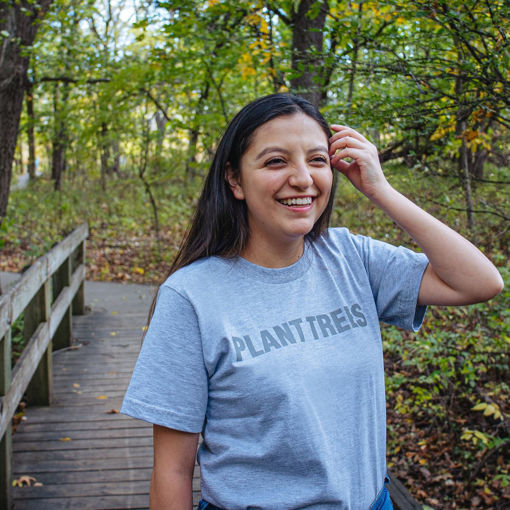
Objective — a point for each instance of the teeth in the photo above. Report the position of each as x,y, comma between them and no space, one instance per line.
297,201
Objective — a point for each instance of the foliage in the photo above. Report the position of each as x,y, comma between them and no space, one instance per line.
453,378
137,98
17,338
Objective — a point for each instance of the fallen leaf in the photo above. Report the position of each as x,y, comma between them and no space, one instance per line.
102,397
115,313
23,480
112,411
113,333
76,385
65,439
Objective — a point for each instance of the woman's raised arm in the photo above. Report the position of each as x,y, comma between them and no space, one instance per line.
172,475
458,272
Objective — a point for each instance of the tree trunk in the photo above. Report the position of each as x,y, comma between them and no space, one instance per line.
116,157
105,154
354,61
20,20
479,159
30,132
307,49
462,115
194,133
58,160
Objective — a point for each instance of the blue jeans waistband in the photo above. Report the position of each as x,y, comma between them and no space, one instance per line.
382,502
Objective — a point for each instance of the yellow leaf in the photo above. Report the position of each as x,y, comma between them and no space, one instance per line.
115,313
138,270
490,409
23,480
76,385
479,407
65,439
113,333
102,397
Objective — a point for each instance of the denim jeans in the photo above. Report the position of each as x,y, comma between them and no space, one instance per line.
383,501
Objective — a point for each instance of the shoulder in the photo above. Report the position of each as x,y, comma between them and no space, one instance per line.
340,240
202,274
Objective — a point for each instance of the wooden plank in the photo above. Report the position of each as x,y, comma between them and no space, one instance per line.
125,502
94,475
400,497
29,428
118,488
52,416
25,465
27,438
100,454
77,259
70,443
6,469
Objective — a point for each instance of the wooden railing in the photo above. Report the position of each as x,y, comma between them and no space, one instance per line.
48,294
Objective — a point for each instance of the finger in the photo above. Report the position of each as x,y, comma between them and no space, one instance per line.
342,166
343,131
347,141
349,135
348,152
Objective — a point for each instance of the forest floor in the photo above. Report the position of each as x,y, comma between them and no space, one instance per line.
448,388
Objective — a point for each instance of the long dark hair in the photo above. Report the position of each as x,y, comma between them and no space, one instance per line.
220,223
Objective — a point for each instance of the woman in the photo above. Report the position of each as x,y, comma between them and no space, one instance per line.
265,338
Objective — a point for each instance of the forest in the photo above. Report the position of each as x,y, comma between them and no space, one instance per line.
110,113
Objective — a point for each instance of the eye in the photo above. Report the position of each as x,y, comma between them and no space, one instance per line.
320,160
275,162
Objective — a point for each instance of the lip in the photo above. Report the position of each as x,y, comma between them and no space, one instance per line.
296,207
279,199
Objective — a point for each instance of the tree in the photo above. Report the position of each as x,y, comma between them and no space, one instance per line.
19,22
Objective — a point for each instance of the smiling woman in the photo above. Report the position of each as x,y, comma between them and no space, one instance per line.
265,337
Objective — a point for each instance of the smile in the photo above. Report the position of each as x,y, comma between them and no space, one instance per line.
296,201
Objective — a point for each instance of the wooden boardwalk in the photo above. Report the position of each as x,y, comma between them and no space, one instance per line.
85,454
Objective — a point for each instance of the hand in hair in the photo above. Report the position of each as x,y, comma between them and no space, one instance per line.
364,171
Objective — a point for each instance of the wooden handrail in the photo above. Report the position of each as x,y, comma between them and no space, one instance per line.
48,294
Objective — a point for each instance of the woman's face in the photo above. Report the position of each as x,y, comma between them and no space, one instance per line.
285,179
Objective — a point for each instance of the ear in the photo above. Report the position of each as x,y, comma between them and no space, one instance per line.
234,183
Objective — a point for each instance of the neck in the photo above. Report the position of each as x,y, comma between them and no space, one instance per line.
274,256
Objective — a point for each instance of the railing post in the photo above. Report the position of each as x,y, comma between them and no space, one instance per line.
79,299
40,388
61,279
6,440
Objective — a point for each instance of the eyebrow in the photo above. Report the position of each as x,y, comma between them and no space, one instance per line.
319,148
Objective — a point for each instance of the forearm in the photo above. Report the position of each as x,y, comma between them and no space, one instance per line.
171,491
468,275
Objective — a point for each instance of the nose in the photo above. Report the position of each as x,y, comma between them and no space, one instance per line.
301,176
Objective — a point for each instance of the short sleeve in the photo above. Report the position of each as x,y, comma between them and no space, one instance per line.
169,385
395,275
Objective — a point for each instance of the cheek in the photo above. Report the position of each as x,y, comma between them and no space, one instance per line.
325,181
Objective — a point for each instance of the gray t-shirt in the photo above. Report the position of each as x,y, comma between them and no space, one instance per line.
281,370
